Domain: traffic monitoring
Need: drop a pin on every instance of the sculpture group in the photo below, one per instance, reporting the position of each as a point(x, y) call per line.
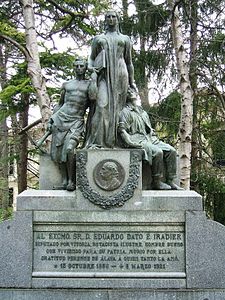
point(114, 118)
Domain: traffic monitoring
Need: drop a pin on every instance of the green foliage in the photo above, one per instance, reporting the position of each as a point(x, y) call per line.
point(10, 97)
point(154, 60)
point(213, 48)
point(211, 126)
point(216, 45)
point(207, 176)
point(149, 19)
point(213, 131)
point(7, 28)
point(6, 214)
point(12, 90)
point(9, 9)
point(57, 65)
point(88, 29)
point(212, 189)
point(218, 145)
point(3, 181)
point(98, 7)
point(209, 182)
point(211, 51)
point(166, 117)
point(146, 29)
point(69, 17)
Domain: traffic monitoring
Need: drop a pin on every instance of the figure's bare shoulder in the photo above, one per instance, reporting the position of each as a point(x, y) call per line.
point(75, 82)
point(69, 82)
point(66, 84)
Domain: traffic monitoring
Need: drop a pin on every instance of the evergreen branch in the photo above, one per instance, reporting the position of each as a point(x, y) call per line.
point(16, 44)
point(65, 11)
point(215, 89)
point(63, 28)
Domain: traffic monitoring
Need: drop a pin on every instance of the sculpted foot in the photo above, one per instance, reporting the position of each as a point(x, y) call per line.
point(94, 146)
point(174, 186)
point(59, 187)
point(159, 185)
point(64, 184)
point(70, 186)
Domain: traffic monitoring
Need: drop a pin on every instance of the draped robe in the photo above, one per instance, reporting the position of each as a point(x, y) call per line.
point(111, 54)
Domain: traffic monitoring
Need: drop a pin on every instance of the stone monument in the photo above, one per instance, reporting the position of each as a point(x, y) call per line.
point(110, 237)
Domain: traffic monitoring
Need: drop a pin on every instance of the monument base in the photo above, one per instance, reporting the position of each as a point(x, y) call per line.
point(157, 246)
point(112, 294)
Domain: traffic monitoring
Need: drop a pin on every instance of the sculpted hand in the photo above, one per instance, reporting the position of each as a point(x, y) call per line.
point(39, 143)
point(133, 86)
point(49, 127)
point(71, 146)
point(135, 145)
point(94, 76)
point(93, 70)
point(126, 137)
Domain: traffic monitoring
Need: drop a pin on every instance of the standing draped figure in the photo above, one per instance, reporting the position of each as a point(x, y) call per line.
point(111, 60)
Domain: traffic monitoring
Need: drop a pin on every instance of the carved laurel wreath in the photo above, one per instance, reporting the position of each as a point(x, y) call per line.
point(115, 200)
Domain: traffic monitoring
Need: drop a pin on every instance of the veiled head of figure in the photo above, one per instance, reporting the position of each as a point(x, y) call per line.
point(111, 20)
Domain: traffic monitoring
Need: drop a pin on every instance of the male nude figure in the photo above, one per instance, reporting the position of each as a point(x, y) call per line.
point(67, 123)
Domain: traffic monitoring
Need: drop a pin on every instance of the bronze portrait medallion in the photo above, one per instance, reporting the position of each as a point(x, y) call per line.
point(109, 174)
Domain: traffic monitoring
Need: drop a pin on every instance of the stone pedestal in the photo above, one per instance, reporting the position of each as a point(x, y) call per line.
point(154, 245)
point(160, 241)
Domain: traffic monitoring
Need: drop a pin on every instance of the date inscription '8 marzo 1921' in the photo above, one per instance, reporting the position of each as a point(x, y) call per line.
point(109, 251)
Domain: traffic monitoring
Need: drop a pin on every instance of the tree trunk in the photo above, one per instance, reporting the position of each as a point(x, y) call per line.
point(34, 67)
point(23, 147)
point(4, 163)
point(125, 11)
point(143, 84)
point(193, 78)
point(21, 143)
point(186, 122)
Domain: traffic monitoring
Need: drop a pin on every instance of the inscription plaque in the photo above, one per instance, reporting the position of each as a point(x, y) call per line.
point(108, 249)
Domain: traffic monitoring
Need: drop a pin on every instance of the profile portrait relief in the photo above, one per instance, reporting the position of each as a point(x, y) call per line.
point(109, 175)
